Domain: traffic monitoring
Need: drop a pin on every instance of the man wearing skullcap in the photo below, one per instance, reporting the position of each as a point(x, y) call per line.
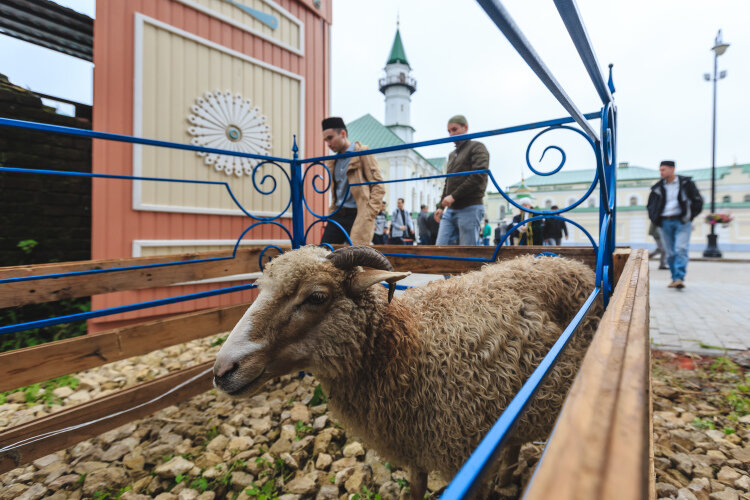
point(673, 203)
point(353, 207)
point(463, 195)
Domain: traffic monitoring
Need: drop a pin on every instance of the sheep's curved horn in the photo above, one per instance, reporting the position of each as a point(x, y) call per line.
point(349, 257)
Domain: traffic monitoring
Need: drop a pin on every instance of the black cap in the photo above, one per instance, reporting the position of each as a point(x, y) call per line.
point(333, 122)
point(668, 163)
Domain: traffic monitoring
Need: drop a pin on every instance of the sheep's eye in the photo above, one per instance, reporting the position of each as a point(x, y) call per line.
point(316, 298)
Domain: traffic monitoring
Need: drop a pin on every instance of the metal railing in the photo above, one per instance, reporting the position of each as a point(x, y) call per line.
point(300, 171)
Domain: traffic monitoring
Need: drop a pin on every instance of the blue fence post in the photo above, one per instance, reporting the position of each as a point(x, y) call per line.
point(298, 226)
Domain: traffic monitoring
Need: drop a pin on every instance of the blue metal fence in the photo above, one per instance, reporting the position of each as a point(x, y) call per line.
point(603, 143)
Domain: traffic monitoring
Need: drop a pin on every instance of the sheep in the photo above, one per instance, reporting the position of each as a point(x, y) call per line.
point(423, 377)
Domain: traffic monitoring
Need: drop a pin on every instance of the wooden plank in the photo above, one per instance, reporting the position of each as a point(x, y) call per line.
point(441, 266)
point(127, 399)
point(578, 461)
point(38, 363)
point(46, 290)
point(627, 467)
point(619, 258)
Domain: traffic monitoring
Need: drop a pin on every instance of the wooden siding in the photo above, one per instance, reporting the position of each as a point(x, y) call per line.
point(288, 32)
point(115, 224)
point(175, 71)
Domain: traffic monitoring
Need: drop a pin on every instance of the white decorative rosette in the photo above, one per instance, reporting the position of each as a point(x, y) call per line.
point(223, 120)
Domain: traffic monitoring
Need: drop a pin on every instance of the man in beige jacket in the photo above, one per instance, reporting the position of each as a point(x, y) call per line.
point(355, 211)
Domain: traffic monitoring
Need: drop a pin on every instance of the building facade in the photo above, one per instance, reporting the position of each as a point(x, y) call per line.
point(633, 187)
point(248, 75)
point(398, 86)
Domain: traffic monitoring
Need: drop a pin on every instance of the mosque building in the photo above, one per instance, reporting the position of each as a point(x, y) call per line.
point(397, 85)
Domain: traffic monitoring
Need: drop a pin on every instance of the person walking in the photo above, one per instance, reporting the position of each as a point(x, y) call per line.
point(486, 232)
point(554, 229)
point(500, 230)
point(433, 224)
point(379, 237)
point(355, 211)
point(423, 226)
point(402, 227)
point(531, 233)
point(463, 195)
point(653, 231)
point(673, 203)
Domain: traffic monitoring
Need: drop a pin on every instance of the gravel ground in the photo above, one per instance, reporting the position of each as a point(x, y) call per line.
point(284, 444)
point(281, 443)
point(701, 427)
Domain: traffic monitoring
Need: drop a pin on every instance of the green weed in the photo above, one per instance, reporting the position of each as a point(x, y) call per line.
point(319, 396)
point(704, 423)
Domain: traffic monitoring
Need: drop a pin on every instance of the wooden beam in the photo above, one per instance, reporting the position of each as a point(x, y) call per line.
point(619, 258)
point(47, 290)
point(442, 266)
point(26, 366)
point(126, 399)
point(599, 446)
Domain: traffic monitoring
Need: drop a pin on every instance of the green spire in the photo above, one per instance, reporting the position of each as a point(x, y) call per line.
point(398, 55)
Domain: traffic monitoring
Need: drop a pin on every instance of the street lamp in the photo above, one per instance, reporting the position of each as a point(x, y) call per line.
point(712, 250)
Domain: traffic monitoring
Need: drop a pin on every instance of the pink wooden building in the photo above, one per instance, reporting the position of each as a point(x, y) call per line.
point(227, 74)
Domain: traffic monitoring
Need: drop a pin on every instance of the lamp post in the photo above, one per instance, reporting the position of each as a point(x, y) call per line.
point(712, 250)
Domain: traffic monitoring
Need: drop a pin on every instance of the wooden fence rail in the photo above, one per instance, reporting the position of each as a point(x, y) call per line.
point(43, 362)
point(126, 399)
point(600, 447)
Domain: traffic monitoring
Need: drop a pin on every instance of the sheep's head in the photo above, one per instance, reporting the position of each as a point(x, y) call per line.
point(302, 305)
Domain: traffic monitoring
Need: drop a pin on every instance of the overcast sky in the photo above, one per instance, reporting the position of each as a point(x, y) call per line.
point(463, 64)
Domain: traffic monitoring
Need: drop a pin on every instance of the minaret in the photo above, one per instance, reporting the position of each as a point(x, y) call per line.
point(398, 86)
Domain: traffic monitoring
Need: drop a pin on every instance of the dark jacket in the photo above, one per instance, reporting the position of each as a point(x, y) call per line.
point(433, 226)
point(423, 225)
point(537, 230)
point(554, 228)
point(467, 190)
point(689, 198)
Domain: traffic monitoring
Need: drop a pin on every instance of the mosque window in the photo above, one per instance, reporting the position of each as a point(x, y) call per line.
point(571, 201)
point(726, 199)
point(592, 202)
point(548, 203)
point(633, 201)
point(747, 198)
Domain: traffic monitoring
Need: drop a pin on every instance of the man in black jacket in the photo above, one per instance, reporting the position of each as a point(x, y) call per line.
point(554, 229)
point(673, 203)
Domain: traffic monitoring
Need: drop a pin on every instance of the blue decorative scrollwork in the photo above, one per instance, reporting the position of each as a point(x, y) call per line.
point(263, 253)
point(273, 187)
point(317, 178)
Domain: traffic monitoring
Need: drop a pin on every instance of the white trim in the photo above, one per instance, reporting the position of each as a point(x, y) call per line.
point(300, 51)
point(138, 204)
point(139, 245)
point(208, 211)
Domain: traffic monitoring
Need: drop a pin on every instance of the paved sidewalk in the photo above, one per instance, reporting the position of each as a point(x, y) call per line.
point(709, 316)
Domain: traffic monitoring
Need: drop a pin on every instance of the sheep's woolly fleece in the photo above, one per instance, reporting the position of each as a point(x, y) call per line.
point(422, 379)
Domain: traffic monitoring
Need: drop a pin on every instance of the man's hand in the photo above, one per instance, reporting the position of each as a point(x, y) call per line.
point(403, 228)
point(447, 201)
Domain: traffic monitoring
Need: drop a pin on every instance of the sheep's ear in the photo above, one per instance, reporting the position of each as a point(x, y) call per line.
point(365, 279)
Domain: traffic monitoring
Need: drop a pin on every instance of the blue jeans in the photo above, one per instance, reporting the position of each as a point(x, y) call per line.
point(460, 226)
point(675, 236)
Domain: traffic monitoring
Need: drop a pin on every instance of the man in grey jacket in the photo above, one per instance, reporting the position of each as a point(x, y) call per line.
point(463, 195)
